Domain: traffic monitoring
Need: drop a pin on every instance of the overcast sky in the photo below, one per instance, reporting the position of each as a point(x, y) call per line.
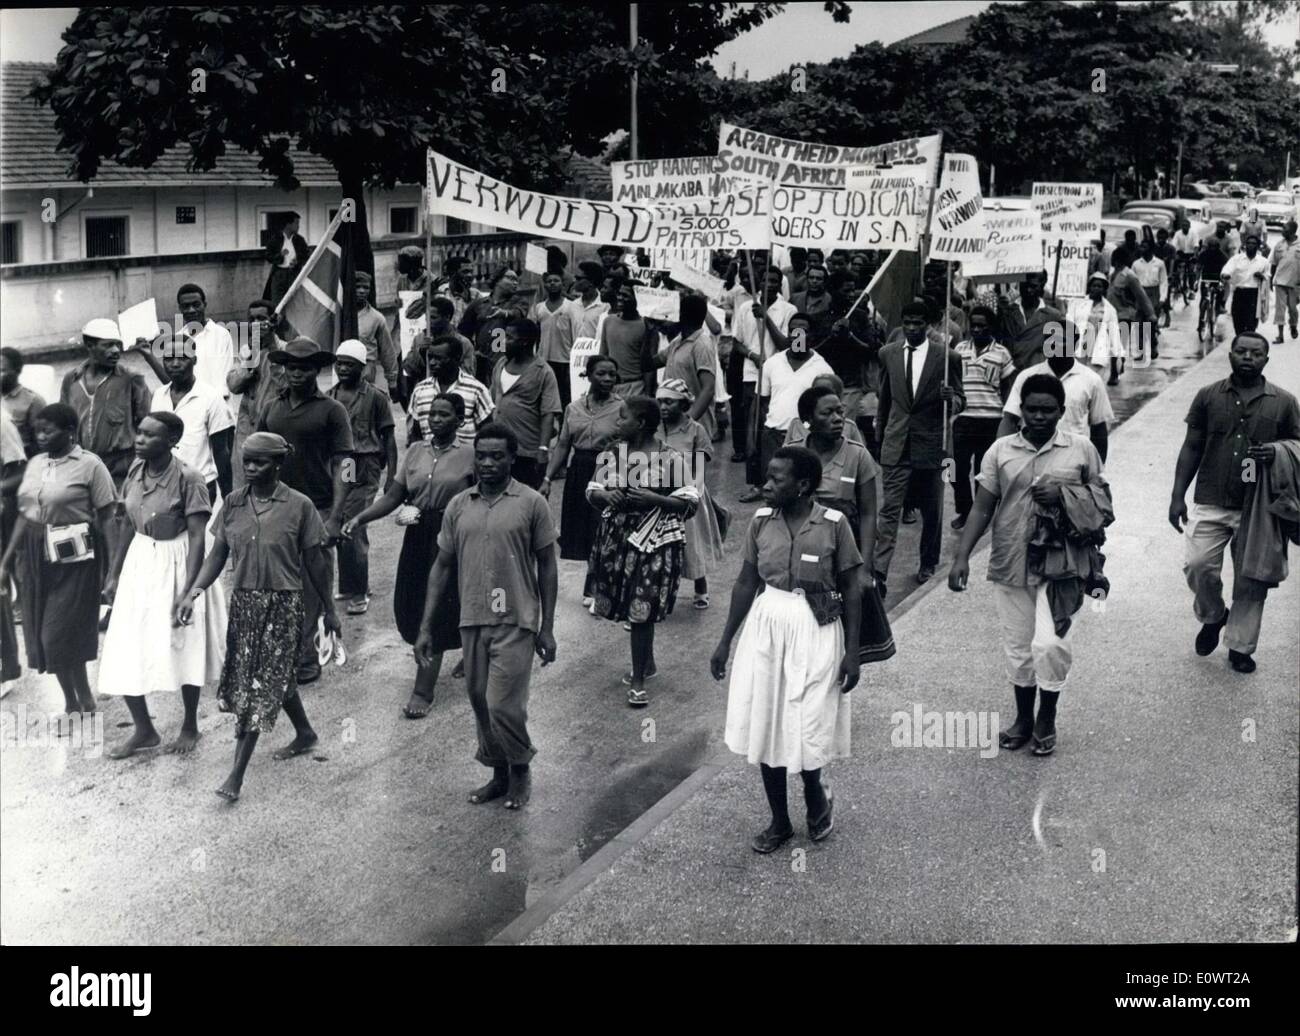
point(802, 33)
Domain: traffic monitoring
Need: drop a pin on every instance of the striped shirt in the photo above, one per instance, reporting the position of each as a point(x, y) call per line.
point(477, 398)
point(982, 377)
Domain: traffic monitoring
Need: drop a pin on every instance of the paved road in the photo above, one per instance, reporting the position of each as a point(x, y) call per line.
point(370, 839)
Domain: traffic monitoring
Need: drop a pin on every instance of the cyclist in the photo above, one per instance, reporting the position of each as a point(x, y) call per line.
point(1165, 252)
point(1213, 260)
point(1187, 246)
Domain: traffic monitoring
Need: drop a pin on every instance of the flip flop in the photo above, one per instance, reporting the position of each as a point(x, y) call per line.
point(1044, 746)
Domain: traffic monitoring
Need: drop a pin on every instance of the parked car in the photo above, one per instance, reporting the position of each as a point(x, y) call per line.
point(1114, 230)
point(1223, 207)
point(1240, 189)
point(1197, 189)
point(1275, 207)
point(1157, 213)
point(1196, 207)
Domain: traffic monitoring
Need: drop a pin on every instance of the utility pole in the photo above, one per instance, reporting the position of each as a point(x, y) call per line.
point(633, 34)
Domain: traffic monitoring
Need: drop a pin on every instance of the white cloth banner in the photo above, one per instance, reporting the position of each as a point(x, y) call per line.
point(957, 217)
point(796, 162)
point(877, 208)
point(658, 303)
point(1013, 244)
point(1069, 211)
point(737, 220)
point(658, 181)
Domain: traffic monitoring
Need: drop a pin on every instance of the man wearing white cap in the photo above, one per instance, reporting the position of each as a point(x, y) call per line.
point(373, 448)
point(110, 402)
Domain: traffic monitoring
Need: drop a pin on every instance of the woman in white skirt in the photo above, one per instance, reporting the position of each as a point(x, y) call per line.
point(167, 508)
point(787, 705)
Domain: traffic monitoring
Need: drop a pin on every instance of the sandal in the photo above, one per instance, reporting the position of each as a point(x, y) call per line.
point(637, 699)
point(359, 606)
point(627, 677)
point(1045, 745)
point(701, 601)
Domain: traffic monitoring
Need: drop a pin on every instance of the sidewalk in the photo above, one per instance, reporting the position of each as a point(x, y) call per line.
point(1168, 813)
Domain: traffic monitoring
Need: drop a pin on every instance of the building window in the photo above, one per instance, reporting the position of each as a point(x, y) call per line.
point(11, 249)
point(402, 219)
point(273, 225)
point(186, 214)
point(456, 226)
point(106, 236)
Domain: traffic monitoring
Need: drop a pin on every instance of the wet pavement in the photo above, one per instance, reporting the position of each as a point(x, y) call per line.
point(370, 839)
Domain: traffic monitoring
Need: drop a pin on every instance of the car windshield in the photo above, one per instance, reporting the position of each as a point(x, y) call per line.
point(1274, 198)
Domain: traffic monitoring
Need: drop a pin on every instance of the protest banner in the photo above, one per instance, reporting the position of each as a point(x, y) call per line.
point(957, 220)
point(1013, 242)
point(657, 303)
point(1069, 211)
point(692, 277)
point(409, 329)
point(764, 156)
point(535, 259)
point(736, 220)
point(668, 180)
point(877, 208)
point(1067, 265)
point(583, 350)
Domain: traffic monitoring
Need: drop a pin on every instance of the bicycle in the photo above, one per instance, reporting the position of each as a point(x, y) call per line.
point(1211, 308)
point(1186, 279)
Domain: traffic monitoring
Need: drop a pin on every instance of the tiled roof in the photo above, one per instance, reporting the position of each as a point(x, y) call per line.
point(589, 178)
point(29, 155)
point(949, 32)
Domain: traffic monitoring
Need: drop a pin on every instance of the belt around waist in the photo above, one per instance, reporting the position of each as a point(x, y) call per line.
point(795, 594)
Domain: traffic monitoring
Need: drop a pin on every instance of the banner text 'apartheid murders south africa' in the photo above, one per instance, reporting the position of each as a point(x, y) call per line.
point(801, 163)
point(736, 220)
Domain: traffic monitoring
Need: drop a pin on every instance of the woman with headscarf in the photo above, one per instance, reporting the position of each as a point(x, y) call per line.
point(432, 471)
point(849, 478)
point(167, 510)
point(703, 548)
point(787, 703)
point(590, 424)
point(66, 505)
point(645, 497)
point(273, 536)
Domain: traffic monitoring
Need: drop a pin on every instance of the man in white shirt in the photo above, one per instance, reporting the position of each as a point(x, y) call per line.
point(205, 414)
point(214, 349)
point(1087, 407)
point(1245, 274)
point(758, 332)
point(1153, 275)
point(782, 380)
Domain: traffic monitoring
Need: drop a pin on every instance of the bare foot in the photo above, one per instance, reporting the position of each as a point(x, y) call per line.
point(87, 705)
point(521, 786)
point(494, 789)
point(300, 744)
point(184, 743)
point(417, 707)
point(230, 790)
point(459, 671)
point(137, 742)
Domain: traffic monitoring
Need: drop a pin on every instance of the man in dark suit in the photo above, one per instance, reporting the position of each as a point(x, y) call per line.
point(1027, 321)
point(910, 423)
point(286, 253)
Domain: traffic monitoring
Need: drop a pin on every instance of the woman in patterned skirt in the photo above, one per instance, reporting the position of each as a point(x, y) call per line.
point(274, 537)
point(644, 491)
point(432, 471)
point(849, 485)
point(689, 438)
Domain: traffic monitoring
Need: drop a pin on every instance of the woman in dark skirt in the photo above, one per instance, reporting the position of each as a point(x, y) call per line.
point(645, 494)
point(274, 538)
point(849, 486)
point(65, 503)
point(431, 473)
point(13, 460)
point(590, 424)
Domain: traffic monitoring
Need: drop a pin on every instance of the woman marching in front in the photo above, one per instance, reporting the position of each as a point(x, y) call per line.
point(646, 497)
point(274, 536)
point(432, 471)
point(66, 503)
point(167, 508)
point(849, 485)
point(590, 425)
point(786, 704)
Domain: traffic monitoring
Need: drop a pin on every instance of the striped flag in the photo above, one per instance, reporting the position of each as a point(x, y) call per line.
point(317, 304)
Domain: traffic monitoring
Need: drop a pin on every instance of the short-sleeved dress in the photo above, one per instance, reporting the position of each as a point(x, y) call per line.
point(589, 426)
point(637, 557)
point(143, 651)
point(784, 705)
point(60, 599)
point(267, 541)
point(430, 476)
point(703, 533)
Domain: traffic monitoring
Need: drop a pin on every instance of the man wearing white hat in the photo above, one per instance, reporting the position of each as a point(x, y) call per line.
point(374, 448)
point(110, 402)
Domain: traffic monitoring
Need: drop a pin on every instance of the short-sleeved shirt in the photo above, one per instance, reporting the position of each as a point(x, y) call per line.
point(318, 429)
point(592, 425)
point(692, 442)
point(811, 560)
point(687, 358)
point(1228, 418)
point(268, 538)
point(370, 413)
point(11, 445)
point(381, 351)
point(783, 385)
point(1086, 402)
point(473, 393)
point(584, 319)
point(495, 543)
point(622, 340)
point(109, 416)
point(22, 405)
point(66, 490)
point(1008, 471)
point(850, 468)
point(1241, 270)
point(557, 330)
point(158, 508)
point(214, 357)
point(520, 407)
point(982, 377)
point(431, 475)
point(204, 413)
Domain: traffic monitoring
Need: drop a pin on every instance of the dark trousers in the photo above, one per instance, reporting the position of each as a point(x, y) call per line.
point(867, 426)
point(562, 377)
point(741, 401)
point(925, 489)
point(354, 554)
point(769, 441)
point(1245, 307)
point(971, 436)
point(528, 471)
